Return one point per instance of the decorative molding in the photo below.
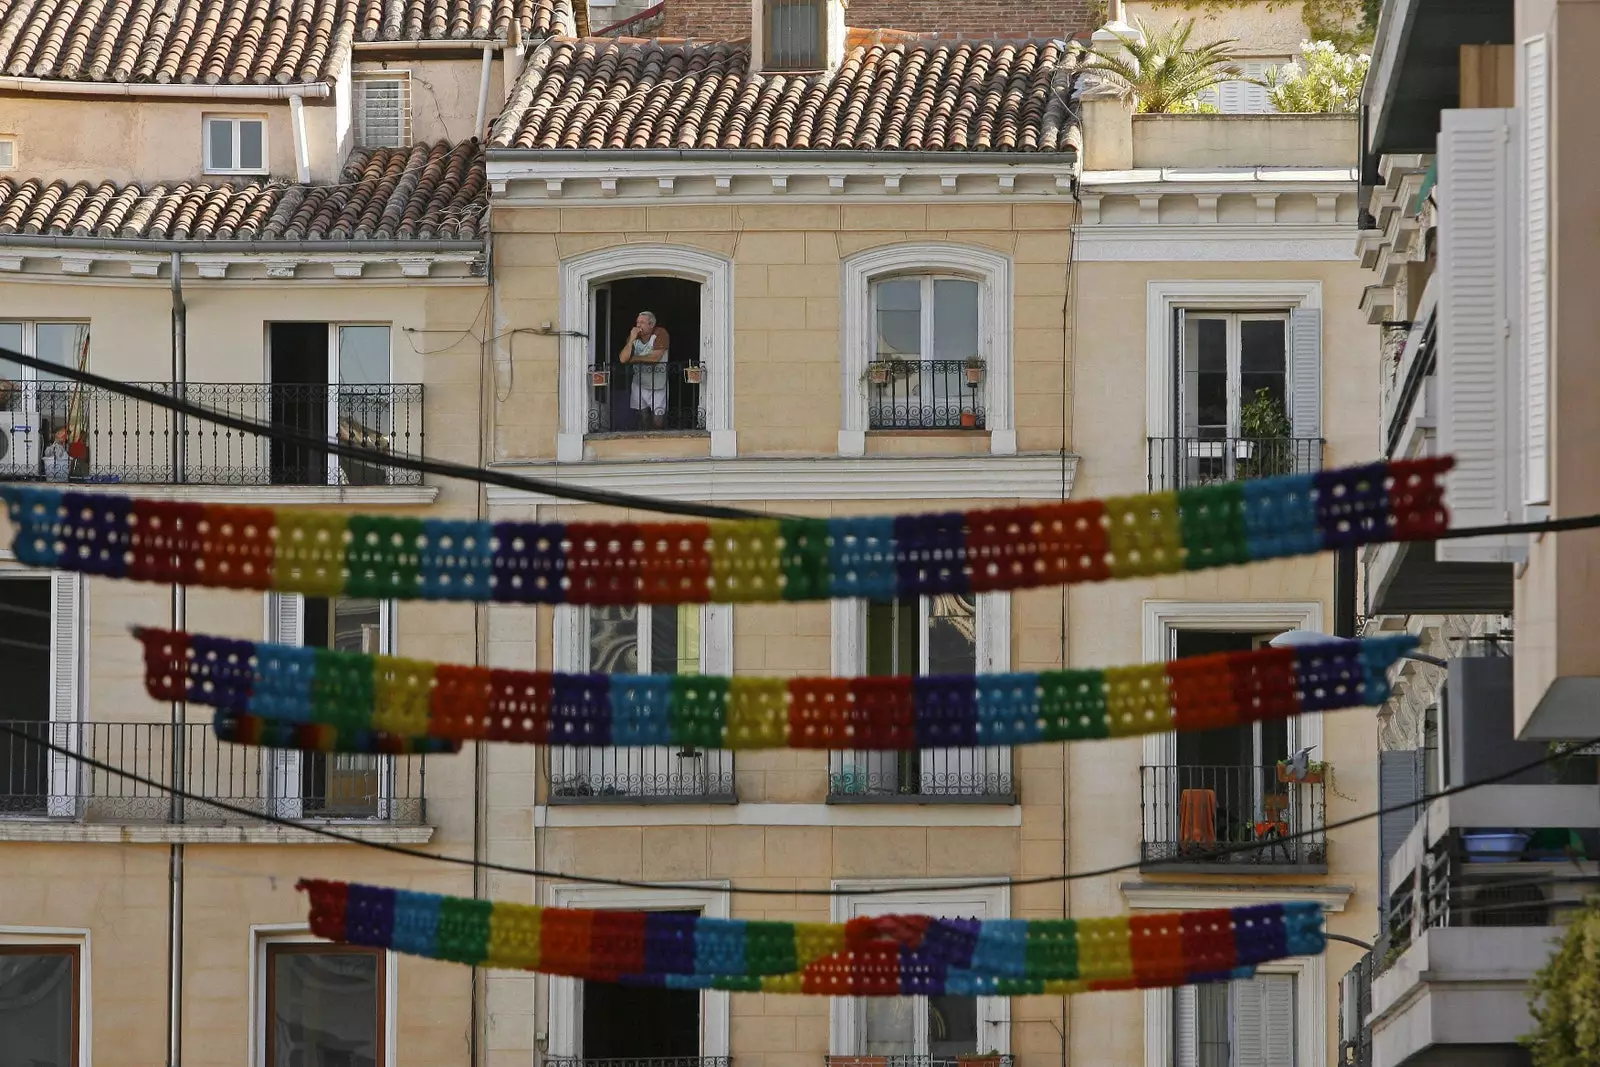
(274, 495)
(1162, 298)
(10, 264)
(711, 899)
(245, 265)
(936, 814)
(44, 830)
(1026, 476)
(1208, 241)
(580, 274)
(76, 264)
(1181, 896)
(990, 269)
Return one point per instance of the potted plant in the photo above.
(693, 373)
(877, 373)
(1266, 448)
(8, 393)
(975, 367)
(1316, 771)
(969, 420)
(599, 378)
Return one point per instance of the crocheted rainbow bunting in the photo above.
(880, 956)
(328, 553)
(289, 697)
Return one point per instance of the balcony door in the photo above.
(332, 382)
(638, 396)
(39, 651)
(34, 404)
(1233, 396)
(927, 332)
(639, 1023)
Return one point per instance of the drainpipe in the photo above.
(483, 91)
(302, 162)
(179, 708)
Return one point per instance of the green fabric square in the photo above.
(806, 575)
(1074, 705)
(769, 948)
(342, 690)
(1212, 520)
(1018, 987)
(382, 557)
(699, 710)
(463, 932)
(1051, 951)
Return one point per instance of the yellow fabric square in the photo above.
(402, 693)
(746, 561)
(1103, 949)
(514, 931)
(1144, 535)
(783, 983)
(815, 941)
(1137, 700)
(310, 551)
(758, 713)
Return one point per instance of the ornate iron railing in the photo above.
(980, 775)
(111, 438)
(1182, 462)
(35, 782)
(928, 394)
(641, 775)
(640, 1061)
(1231, 816)
(976, 1059)
(636, 398)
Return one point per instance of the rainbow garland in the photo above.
(881, 956)
(312, 698)
(326, 553)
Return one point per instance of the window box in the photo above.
(599, 379)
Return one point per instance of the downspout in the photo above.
(179, 708)
(483, 91)
(302, 162)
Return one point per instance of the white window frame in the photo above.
(46, 937)
(941, 898)
(1234, 353)
(1289, 968)
(359, 82)
(578, 277)
(68, 650)
(565, 1003)
(990, 269)
(209, 164)
(1311, 1004)
(264, 934)
(927, 337)
(8, 153)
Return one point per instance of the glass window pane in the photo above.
(891, 638)
(889, 1026)
(1212, 1043)
(37, 1011)
(357, 625)
(63, 343)
(324, 1009)
(955, 318)
(614, 639)
(899, 313)
(11, 337)
(363, 355)
(219, 140)
(1205, 379)
(952, 1026)
(1263, 383)
(953, 634)
(251, 133)
(675, 639)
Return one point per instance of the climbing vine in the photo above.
(1349, 24)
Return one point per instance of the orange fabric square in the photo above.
(458, 707)
(237, 547)
(602, 563)
(1073, 543)
(1003, 547)
(674, 563)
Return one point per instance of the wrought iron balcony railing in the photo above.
(974, 775)
(975, 1059)
(1231, 816)
(34, 782)
(636, 398)
(112, 438)
(660, 775)
(1183, 462)
(929, 394)
(639, 1061)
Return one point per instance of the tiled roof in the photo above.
(238, 41)
(426, 192)
(888, 95)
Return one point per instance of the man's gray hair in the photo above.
(651, 315)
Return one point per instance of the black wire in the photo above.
(440, 467)
(586, 879)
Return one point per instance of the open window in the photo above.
(41, 1004)
(45, 419)
(323, 1005)
(40, 650)
(335, 380)
(927, 368)
(645, 369)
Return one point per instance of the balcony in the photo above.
(639, 1061)
(640, 398)
(1205, 819)
(929, 394)
(930, 775)
(657, 775)
(1186, 462)
(128, 441)
(975, 1059)
(36, 783)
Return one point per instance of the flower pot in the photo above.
(974, 375)
(969, 420)
(1314, 773)
(693, 373)
(599, 378)
(878, 374)
(1494, 846)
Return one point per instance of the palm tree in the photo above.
(1160, 70)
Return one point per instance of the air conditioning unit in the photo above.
(19, 442)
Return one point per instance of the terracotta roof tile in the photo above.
(239, 41)
(890, 94)
(421, 193)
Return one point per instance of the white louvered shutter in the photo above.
(286, 618)
(1305, 385)
(1249, 1021)
(1535, 96)
(383, 110)
(1185, 1048)
(286, 626)
(66, 673)
(1231, 97)
(1478, 381)
(1277, 1018)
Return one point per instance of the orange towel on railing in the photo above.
(1197, 817)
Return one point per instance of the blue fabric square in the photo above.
(1002, 948)
(669, 943)
(861, 557)
(458, 562)
(580, 709)
(220, 673)
(1280, 517)
(35, 520)
(369, 915)
(95, 533)
(951, 941)
(1353, 504)
(641, 709)
(947, 712)
(931, 553)
(283, 682)
(1008, 709)
(719, 947)
(416, 922)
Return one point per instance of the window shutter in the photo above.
(1305, 384)
(1231, 97)
(287, 626)
(1478, 422)
(1535, 96)
(1249, 1043)
(383, 112)
(1400, 781)
(1277, 1019)
(66, 671)
(1185, 1048)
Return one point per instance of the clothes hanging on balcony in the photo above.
(890, 955)
(319, 699)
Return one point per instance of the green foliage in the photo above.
(1263, 416)
(1324, 81)
(1161, 71)
(1564, 998)
(1264, 423)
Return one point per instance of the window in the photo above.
(383, 109)
(796, 31)
(926, 371)
(39, 1005)
(645, 372)
(931, 636)
(37, 408)
(324, 1006)
(1248, 1023)
(647, 639)
(39, 650)
(235, 145)
(941, 1027)
(8, 153)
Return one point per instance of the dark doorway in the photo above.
(342, 784)
(299, 376)
(617, 406)
(25, 627)
(638, 1022)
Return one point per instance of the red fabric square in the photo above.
(1416, 497)
(519, 707)
(1155, 943)
(1002, 547)
(564, 939)
(1072, 541)
(166, 664)
(1264, 684)
(458, 707)
(883, 715)
(166, 543)
(602, 563)
(1202, 692)
(237, 548)
(1208, 943)
(674, 563)
(616, 942)
(819, 710)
